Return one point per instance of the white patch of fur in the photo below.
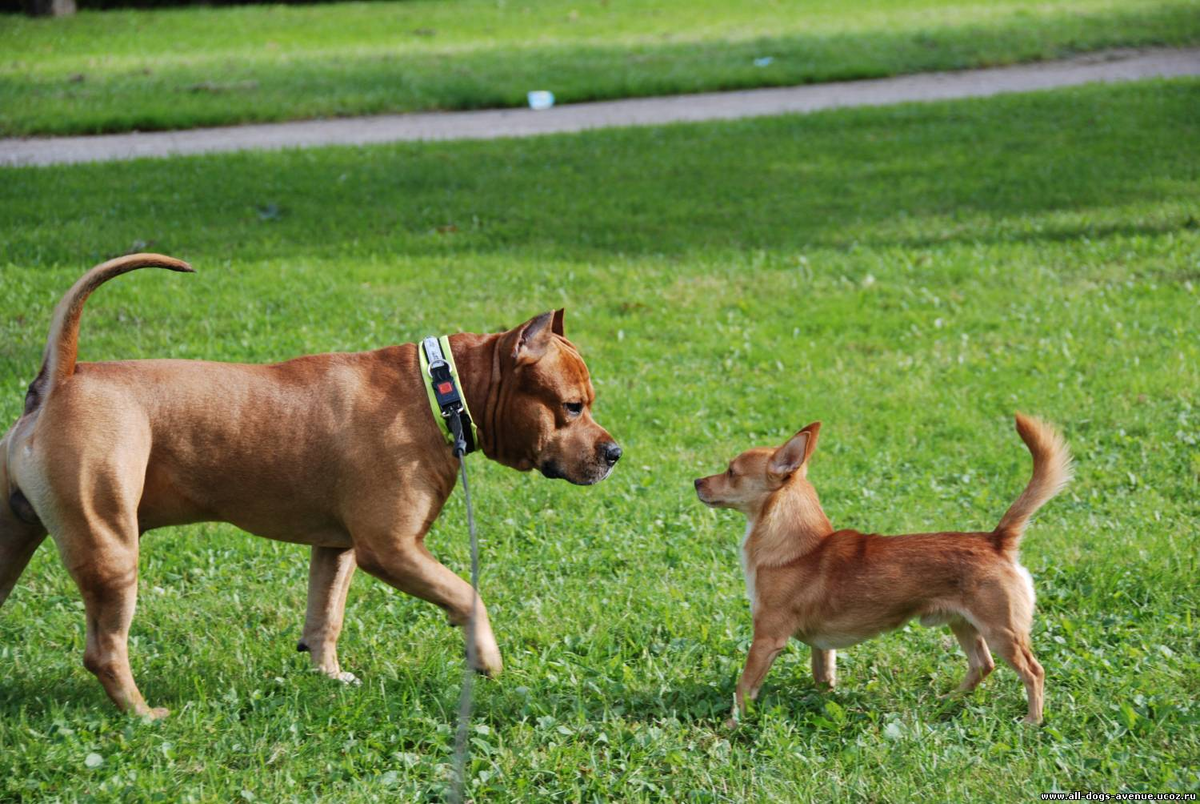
(747, 569)
(1028, 579)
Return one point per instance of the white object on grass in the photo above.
(540, 99)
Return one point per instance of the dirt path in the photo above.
(1108, 66)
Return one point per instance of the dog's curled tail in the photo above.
(58, 362)
(1051, 471)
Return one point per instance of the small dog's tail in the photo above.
(58, 361)
(1051, 471)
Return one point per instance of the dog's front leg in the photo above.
(824, 667)
(763, 651)
(329, 574)
(406, 564)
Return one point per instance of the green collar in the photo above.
(428, 381)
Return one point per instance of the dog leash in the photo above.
(450, 408)
(461, 747)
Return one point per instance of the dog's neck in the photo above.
(476, 357)
(788, 525)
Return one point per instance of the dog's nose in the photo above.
(697, 482)
(612, 452)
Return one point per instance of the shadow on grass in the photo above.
(39, 698)
(973, 171)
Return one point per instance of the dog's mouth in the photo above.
(702, 495)
(551, 469)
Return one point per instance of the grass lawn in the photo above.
(123, 70)
(910, 276)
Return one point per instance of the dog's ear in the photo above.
(533, 339)
(556, 326)
(794, 454)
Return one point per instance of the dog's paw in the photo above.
(488, 662)
(339, 675)
(157, 713)
(347, 678)
(732, 723)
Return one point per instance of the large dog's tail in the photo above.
(58, 362)
(1051, 471)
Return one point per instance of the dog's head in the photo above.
(757, 474)
(545, 406)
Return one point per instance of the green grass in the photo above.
(123, 70)
(910, 276)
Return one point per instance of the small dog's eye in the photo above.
(573, 408)
(729, 473)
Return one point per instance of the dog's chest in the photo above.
(747, 567)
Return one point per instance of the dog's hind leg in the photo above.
(1013, 646)
(18, 542)
(979, 658)
(1004, 615)
(17, 546)
(102, 557)
(329, 575)
(20, 531)
(96, 531)
(824, 667)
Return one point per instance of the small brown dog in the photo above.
(833, 589)
(337, 451)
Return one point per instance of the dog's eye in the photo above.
(573, 408)
(729, 473)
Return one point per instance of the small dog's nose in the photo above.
(612, 452)
(697, 482)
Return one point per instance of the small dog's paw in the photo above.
(338, 675)
(1030, 720)
(732, 723)
(157, 713)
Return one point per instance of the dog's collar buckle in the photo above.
(449, 406)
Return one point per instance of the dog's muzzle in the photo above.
(607, 454)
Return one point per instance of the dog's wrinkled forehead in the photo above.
(562, 373)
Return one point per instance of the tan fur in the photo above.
(337, 451)
(833, 589)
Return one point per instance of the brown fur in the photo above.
(832, 589)
(337, 451)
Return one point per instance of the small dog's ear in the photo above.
(556, 326)
(533, 339)
(795, 453)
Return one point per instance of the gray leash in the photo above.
(461, 743)
(437, 362)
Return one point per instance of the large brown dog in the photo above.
(833, 589)
(337, 451)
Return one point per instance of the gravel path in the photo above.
(1108, 66)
